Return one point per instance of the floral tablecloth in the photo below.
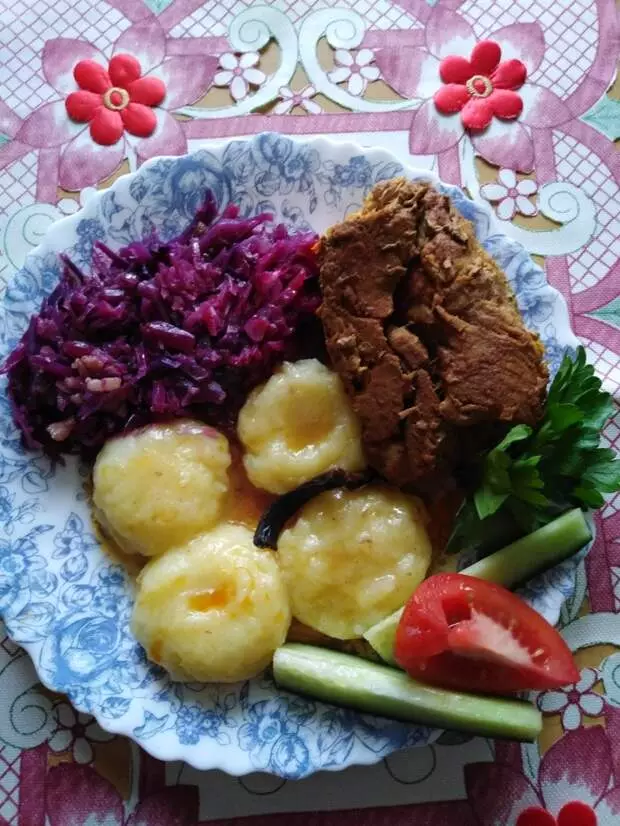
(410, 75)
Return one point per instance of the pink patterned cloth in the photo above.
(542, 91)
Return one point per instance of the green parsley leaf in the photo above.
(487, 502)
(562, 416)
(605, 473)
(515, 434)
(533, 475)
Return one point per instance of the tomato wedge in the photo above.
(461, 632)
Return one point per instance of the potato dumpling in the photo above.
(298, 425)
(214, 610)
(353, 557)
(160, 486)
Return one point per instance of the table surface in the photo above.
(367, 69)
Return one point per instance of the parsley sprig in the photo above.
(533, 475)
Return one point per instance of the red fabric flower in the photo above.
(114, 100)
(481, 87)
(574, 813)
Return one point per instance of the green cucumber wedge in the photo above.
(542, 549)
(383, 635)
(349, 681)
(512, 565)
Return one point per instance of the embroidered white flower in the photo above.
(355, 68)
(301, 98)
(238, 73)
(510, 195)
(574, 700)
(76, 732)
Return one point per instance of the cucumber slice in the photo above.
(515, 563)
(535, 552)
(351, 682)
(383, 635)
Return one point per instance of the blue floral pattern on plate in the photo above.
(69, 603)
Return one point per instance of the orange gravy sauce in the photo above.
(244, 503)
(133, 563)
(210, 599)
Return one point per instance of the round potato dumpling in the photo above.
(298, 425)
(160, 486)
(214, 610)
(353, 557)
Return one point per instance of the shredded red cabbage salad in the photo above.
(157, 330)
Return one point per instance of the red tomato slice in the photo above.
(461, 632)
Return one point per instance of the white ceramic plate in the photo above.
(67, 602)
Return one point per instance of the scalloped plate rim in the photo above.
(156, 746)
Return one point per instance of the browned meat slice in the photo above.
(424, 330)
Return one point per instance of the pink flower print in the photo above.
(574, 813)
(415, 72)
(115, 100)
(83, 161)
(238, 73)
(77, 795)
(574, 700)
(510, 194)
(572, 787)
(76, 732)
(355, 68)
(480, 88)
(302, 98)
